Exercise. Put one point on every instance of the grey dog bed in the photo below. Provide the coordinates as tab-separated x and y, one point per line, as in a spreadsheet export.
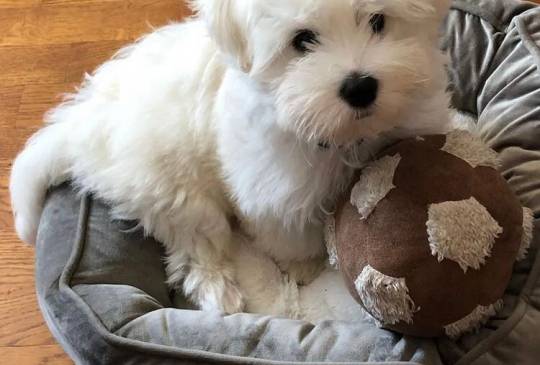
101	283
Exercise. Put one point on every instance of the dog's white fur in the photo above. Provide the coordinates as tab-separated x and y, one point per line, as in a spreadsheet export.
220	117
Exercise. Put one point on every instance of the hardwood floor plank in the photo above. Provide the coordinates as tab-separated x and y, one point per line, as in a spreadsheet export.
6	219
84	21
43	64
34	355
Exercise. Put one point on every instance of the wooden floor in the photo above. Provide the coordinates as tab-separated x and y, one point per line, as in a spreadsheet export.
45	47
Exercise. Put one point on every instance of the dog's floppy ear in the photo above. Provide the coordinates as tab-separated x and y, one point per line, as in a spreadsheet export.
224	21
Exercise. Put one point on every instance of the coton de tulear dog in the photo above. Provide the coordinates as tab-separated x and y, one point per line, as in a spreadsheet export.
249	115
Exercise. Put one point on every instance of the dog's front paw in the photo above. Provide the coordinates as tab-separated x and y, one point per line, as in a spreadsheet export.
225	297
214	291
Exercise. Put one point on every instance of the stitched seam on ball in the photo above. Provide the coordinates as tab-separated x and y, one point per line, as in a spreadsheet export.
470	149
386	298
473	320
376	181
526	238
462	231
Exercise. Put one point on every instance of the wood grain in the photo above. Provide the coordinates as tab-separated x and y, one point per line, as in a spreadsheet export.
51	354
46	46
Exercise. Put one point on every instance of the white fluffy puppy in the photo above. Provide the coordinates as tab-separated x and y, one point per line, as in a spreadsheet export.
251	111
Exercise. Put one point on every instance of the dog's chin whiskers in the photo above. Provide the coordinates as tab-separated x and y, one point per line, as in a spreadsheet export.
302	148
357	156
353	162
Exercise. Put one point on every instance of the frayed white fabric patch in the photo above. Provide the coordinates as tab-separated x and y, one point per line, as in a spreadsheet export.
526	239
385	298
462	231
471	149
376	182
330	240
473	321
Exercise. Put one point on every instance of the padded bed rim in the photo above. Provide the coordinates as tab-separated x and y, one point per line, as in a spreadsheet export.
163	351
166	352
485	13
523	305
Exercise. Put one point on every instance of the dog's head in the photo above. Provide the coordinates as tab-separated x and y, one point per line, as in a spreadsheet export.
340	70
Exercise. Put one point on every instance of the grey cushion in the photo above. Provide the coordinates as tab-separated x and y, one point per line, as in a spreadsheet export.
101	283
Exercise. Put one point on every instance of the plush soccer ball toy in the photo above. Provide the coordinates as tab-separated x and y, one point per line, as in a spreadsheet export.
427	240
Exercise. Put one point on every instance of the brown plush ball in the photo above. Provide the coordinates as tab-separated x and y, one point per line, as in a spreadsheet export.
429	236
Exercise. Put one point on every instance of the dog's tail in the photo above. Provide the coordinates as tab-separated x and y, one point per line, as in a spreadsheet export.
42	164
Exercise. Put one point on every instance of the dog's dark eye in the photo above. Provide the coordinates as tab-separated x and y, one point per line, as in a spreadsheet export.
377	23
303	39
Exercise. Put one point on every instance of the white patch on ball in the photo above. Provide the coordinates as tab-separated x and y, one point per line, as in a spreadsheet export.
384	297
473	321
376	182
330	240
462	231
471	149
526	239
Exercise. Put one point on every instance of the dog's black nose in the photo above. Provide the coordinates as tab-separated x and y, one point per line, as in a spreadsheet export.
359	91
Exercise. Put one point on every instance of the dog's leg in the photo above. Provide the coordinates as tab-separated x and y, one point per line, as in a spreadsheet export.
197	240
301	254
303	272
